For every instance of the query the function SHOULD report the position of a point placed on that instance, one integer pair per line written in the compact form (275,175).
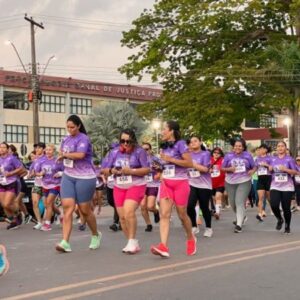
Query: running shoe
(195,230)
(191,247)
(95,241)
(133,247)
(27,219)
(46,227)
(15,224)
(156,217)
(293,209)
(38,226)
(149,228)
(81,227)
(287,230)
(114,227)
(238,229)
(208,232)
(161,250)
(244,221)
(259,218)
(279,224)
(63,246)
(264,215)
(4,264)
(217,216)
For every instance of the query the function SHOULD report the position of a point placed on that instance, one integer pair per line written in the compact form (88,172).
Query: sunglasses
(146,149)
(126,141)
(298,159)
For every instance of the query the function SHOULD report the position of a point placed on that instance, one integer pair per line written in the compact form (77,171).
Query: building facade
(60,98)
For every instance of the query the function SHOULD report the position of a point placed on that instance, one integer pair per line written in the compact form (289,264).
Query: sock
(47,222)
(218,208)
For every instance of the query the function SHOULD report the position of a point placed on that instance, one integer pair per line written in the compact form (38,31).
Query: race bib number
(126,179)
(3,180)
(69,163)
(25,199)
(281,178)
(110,178)
(215,173)
(262,171)
(149,178)
(297,178)
(240,168)
(193,173)
(169,171)
(38,181)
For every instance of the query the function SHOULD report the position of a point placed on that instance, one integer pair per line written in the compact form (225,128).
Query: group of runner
(184,175)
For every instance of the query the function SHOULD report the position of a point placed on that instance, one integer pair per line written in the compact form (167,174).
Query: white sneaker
(132,247)
(38,226)
(195,230)
(208,232)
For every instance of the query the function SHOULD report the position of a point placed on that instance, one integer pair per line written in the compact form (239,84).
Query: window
(54,104)
(81,106)
(15,100)
(268,121)
(16,134)
(52,135)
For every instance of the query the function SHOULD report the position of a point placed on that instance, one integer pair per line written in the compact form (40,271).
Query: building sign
(58,84)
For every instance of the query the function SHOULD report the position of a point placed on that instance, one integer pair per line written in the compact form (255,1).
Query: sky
(84,36)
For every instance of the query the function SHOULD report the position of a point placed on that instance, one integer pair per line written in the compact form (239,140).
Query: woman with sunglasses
(153,183)
(129,165)
(78,182)
(283,167)
(174,188)
(262,163)
(239,167)
(200,185)
(218,179)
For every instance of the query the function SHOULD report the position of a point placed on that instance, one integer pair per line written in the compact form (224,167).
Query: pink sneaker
(46,227)
(161,250)
(191,247)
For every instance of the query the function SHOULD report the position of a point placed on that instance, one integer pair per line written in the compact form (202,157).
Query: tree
(106,122)
(211,58)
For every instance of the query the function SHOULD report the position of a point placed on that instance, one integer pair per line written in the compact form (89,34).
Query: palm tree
(106,122)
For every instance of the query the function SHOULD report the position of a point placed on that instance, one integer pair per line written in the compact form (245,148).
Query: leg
(261,197)
(68,205)
(49,207)
(204,199)
(165,215)
(144,210)
(129,209)
(275,203)
(35,205)
(121,215)
(218,200)
(88,215)
(191,208)
(186,222)
(242,192)
(286,206)
(231,191)
(8,203)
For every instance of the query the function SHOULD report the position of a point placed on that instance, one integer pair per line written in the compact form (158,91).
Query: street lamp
(47,64)
(287,122)
(8,42)
(156,124)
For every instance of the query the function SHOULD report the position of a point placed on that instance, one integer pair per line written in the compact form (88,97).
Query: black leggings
(111,202)
(203,196)
(297,190)
(285,198)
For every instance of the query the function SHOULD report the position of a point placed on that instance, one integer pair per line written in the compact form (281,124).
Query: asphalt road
(259,263)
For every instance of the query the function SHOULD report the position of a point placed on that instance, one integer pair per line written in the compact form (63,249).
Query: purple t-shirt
(150,178)
(7,164)
(50,167)
(197,179)
(35,166)
(79,168)
(137,159)
(261,170)
(110,179)
(99,182)
(297,177)
(172,171)
(282,181)
(242,162)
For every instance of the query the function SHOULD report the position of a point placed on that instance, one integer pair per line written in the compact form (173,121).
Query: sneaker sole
(3,251)
(137,250)
(61,249)
(163,254)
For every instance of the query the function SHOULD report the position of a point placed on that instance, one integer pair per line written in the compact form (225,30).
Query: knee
(151,207)
(144,206)
(165,215)
(129,214)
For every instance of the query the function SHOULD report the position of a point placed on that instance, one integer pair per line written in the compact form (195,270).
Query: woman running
(283,167)
(10,169)
(153,182)
(200,185)
(262,163)
(129,165)
(78,182)
(239,167)
(37,191)
(174,188)
(218,179)
(51,171)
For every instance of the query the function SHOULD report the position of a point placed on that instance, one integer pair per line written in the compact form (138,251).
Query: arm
(185,162)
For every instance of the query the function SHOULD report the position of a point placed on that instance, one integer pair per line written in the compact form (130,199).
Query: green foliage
(105,123)
(214,60)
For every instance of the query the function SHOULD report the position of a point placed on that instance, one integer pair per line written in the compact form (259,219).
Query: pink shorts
(176,190)
(135,193)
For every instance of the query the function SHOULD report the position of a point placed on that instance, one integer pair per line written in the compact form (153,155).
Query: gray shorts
(81,190)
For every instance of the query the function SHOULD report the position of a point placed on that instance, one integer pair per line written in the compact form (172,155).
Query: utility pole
(34,80)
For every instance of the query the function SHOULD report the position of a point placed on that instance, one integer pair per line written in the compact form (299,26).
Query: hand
(114,171)
(264,164)
(165,157)
(282,168)
(60,157)
(7,174)
(251,172)
(126,171)
(230,170)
